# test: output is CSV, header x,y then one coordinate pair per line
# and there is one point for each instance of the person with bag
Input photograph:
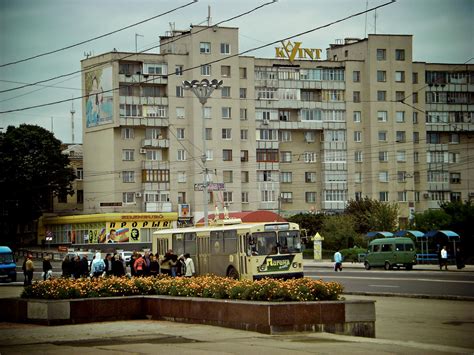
x,y
189,266
98,266
47,268
29,270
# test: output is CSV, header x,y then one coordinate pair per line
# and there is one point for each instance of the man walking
x,y
444,259
337,261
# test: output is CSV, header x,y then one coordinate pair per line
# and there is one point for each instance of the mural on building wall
x,y
99,103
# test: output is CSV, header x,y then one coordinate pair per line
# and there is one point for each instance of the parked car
x,y
7,264
390,253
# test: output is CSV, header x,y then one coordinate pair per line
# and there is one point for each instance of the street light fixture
x,y
203,90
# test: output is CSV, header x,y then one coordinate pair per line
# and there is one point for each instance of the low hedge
x,y
207,286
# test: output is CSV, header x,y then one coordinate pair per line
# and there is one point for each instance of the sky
x,y
443,32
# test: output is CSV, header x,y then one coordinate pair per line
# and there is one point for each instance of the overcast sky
x,y
443,32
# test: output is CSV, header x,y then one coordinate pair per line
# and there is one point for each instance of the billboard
x,y
99,102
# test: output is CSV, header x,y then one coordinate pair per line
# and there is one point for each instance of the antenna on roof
x,y
208,15
72,120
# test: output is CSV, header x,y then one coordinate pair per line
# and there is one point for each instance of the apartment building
x,y
288,134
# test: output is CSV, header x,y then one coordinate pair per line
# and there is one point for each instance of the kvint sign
x,y
293,50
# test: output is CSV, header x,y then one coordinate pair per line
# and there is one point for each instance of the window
x,y
285,157
399,95
433,138
243,114
381,76
358,195
284,136
415,117
225,91
243,73
383,196
79,174
400,76
181,197
401,156
243,93
358,156
156,175
128,154
382,136
227,196
416,157
399,54
381,54
207,112
402,196
401,176
401,136
381,95
244,134
225,71
286,177
400,116
181,176
180,112
208,134
205,47
357,136
206,70
128,197
245,197
455,197
414,77
225,48
244,176
244,155
310,197
356,96
357,116
228,176
454,157
454,138
181,155
178,70
383,176
310,176
128,176
286,197
209,154
226,112
356,76
310,157
227,154
382,116
416,137
415,97
267,155
179,91
226,133
128,133
383,156
180,133
130,110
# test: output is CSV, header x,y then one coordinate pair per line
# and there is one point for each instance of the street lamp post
x,y
203,90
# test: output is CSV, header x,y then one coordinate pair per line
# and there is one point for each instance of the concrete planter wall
x,y
340,317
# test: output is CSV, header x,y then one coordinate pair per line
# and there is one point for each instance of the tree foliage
x,y
312,223
338,232
431,220
32,171
373,215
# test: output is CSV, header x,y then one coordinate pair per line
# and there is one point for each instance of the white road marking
x,y
383,286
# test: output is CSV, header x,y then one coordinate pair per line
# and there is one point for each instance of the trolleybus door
x,y
202,254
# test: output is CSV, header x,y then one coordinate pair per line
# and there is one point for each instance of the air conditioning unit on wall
x,y
138,194
142,151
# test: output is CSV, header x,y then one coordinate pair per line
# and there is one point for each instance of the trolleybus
x,y
238,250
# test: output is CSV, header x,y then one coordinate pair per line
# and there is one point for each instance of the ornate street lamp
x,y
203,90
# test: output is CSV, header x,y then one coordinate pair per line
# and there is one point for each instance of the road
x,y
431,283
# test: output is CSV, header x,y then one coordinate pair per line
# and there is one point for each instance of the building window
x,y
284,136
243,93
400,116
454,138
206,70
381,76
227,196
205,47
243,114
358,196
179,91
243,73
286,197
415,117
226,112
225,71
357,136
416,137
79,174
400,76
286,177
382,136
225,48
381,54
433,138
180,133
358,157
181,197
244,155
401,176
358,177
401,156
181,155
310,176
267,155
356,76
180,112
383,196
245,197
80,196
416,157
181,176
128,197
415,97
310,197
399,95
383,157
226,133
401,136
225,91
228,176
244,134
128,133
381,95
357,116
208,134
455,197
383,176
128,154
310,157
209,154
178,70
244,176
207,113
402,196
285,157
128,176
399,54
415,78
356,96
382,116
227,154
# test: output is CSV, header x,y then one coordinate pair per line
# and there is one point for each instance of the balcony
x,y
143,78
155,165
158,207
156,143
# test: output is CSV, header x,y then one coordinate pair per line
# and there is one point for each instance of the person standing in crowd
x,y
337,261
147,258
98,266
173,265
139,266
66,267
108,264
189,266
47,268
118,268
459,259
84,266
444,259
165,263
29,269
77,267
133,258
154,269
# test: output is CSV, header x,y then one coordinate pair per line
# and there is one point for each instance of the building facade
x,y
290,134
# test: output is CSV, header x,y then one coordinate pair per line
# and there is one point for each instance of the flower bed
x,y
208,286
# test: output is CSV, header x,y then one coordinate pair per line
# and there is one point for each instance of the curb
x,y
406,295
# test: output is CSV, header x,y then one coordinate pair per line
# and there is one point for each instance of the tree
x,y
338,232
431,220
32,171
373,215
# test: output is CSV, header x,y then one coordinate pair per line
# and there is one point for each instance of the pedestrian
x,y
77,267
147,258
459,259
154,269
47,268
108,264
133,258
337,261
98,266
173,265
165,263
85,266
189,266
139,265
23,268
29,269
444,259
66,267
118,268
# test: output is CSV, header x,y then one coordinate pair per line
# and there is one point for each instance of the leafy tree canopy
x,y
312,223
373,215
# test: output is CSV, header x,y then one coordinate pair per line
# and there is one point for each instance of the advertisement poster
x,y
99,103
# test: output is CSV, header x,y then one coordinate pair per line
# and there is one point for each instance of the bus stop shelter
x,y
379,234
452,237
423,256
